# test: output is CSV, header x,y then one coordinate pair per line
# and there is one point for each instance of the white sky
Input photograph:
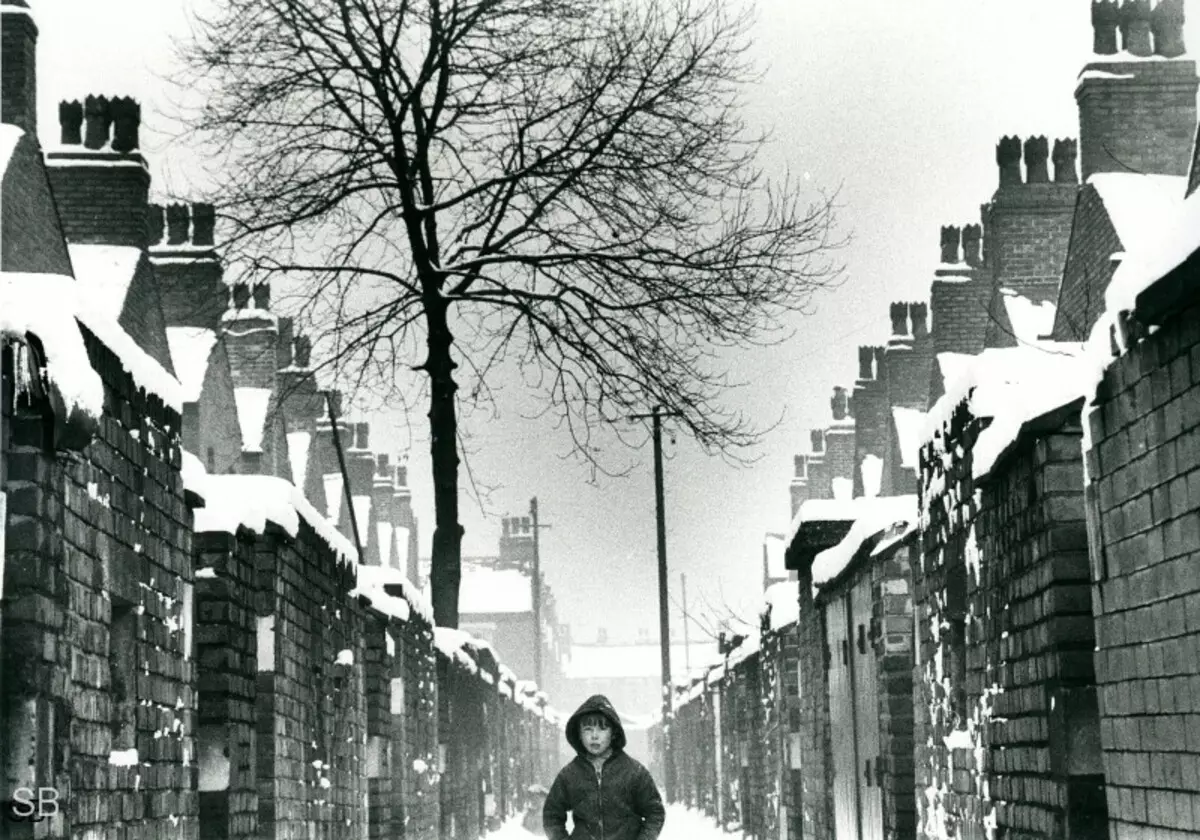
x,y
899,103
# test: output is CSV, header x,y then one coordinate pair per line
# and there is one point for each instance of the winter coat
x,y
620,802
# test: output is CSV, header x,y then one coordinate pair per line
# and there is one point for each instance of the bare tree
x,y
564,183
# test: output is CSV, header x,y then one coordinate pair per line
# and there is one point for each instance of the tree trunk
x,y
446,569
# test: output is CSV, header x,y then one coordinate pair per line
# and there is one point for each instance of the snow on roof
x,y
24,309
843,488
494,591
107,270
749,647
383,536
190,349
644,661
908,435
1139,206
298,443
821,510
333,495
871,469
372,583
1165,248
193,473
252,406
362,512
776,558
1030,320
991,380
10,135
402,536
452,643
253,500
875,515
783,602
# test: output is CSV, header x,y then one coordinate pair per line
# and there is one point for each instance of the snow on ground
x,y
682,824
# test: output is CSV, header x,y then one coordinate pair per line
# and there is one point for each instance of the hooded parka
x,y
618,801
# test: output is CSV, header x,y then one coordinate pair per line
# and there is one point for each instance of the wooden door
x,y
841,719
866,712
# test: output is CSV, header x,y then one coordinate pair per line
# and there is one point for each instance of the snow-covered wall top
x,y
782,604
874,515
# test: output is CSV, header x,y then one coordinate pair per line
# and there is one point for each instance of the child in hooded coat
x,y
610,795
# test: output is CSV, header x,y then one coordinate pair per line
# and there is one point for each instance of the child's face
x,y
596,734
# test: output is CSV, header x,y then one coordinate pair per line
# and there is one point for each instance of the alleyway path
x,y
682,824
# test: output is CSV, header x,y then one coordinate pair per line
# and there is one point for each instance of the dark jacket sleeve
x,y
554,811
649,806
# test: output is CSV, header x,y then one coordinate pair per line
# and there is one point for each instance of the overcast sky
x,y
898,104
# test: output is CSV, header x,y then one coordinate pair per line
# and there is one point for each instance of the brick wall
x,y
1138,117
1029,226
959,314
815,760
18,69
29,226
1144,468
1036,636
104,203
190,285
97,599
1089,268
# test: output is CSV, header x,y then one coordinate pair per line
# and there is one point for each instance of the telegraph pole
x,y
687,647
537,597
664,615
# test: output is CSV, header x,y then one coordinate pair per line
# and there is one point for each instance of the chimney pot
x,y
865,356
879,357
972,236
98,120
1167,26
506,526
303,351
1008,157
1135,28
362,435
817,438
950,240
525,526
262,296
19,34
801,463
1105,17
1036,153
899,315
241,295
401,476
127,119
335,403
383,465
919,312
155,223
1065,154
177,224
70,120
204,220
840,403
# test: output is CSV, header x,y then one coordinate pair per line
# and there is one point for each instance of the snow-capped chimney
x,y
950,239
1008,158
101,184
1137,116
1037,153
18,66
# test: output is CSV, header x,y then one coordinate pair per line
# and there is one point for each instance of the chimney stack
x,y
1065,154
1135,28
950,240
101,185
1008,157
1106,15
1037,151
18,67
185,262
972,236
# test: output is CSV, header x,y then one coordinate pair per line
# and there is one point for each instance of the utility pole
x,y
687,648
664,615
536,585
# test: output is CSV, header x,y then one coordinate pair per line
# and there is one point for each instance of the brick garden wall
x,y
96,622
1144,493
